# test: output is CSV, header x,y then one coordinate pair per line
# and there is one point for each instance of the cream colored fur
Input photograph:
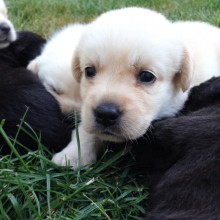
x,y
203,43
119,45
53,67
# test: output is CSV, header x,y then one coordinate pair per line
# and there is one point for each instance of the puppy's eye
x,y
146,77
55,90
90,72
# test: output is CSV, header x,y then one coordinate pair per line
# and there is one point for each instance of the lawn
x,y
46,16
31,186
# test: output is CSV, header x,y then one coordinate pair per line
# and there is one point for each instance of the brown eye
x,y
90,72
146,77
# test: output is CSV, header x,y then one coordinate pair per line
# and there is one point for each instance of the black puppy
x,y
20,92
183,158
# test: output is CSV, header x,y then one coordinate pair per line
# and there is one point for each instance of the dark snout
x,y
107,114
4,30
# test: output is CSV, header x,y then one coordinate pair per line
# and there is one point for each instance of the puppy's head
x,y
53,67
58,80
7,31
132,70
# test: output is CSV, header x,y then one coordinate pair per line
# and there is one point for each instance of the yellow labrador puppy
x,y
135,66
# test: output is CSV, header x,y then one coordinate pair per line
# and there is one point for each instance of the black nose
x,y
107,114
4,28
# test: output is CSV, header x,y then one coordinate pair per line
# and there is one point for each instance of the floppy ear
x,y
33,66
183,77
76,71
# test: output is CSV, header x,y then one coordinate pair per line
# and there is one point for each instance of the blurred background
x,y
46,16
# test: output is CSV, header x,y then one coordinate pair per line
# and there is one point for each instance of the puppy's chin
x,y
104,134
4,44
5,41
110,137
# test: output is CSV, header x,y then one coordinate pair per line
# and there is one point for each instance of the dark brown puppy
x,y
183,158
20,90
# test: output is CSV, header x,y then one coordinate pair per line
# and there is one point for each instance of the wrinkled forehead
x,y
131,46
3,9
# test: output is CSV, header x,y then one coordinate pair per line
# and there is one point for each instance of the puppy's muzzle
x,y
107,114
4,30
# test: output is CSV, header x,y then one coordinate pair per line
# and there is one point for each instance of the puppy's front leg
x,y
89,146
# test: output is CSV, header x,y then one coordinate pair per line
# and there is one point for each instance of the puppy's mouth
x,y
5,41
107,122
4,44
3,38
6,35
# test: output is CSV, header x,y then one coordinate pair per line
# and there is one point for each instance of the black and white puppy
x,y
183,158
20,90
7,31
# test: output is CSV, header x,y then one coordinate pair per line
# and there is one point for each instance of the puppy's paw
x,y
69,156
71,159
66,159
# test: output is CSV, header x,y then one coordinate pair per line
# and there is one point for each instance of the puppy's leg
x,y
89,146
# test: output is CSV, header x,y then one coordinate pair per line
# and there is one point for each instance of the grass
x,y
46,16
31,186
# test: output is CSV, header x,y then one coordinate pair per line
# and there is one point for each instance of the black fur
x,y
19,90
183,159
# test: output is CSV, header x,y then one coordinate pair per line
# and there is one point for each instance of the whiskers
x,y
132,132
71,119
148,136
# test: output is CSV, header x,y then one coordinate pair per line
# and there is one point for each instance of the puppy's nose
x,y
107,114
4,28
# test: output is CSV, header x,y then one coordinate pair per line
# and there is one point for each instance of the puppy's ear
x,y
33,66
77,73
183,77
